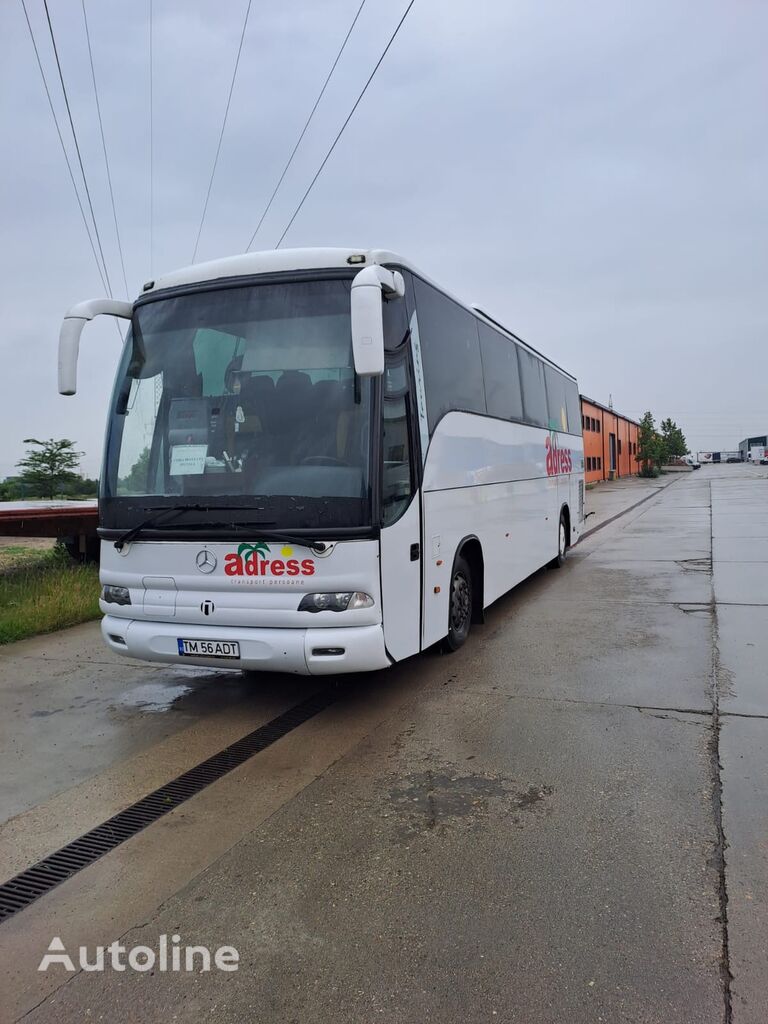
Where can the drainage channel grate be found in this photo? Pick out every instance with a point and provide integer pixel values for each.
(25, 888)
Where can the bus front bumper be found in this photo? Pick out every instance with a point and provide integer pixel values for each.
(314, 652)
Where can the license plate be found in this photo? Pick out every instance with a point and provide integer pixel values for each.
(209, 648)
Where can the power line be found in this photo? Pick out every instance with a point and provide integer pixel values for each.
(306, 126)
(77, 146)
(104, 147)
(349, 118)
(63, 147)
(223, 127)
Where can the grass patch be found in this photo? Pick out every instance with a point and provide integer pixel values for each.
(15, 556)
(46, 592)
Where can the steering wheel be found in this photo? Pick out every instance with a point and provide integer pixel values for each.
(322, 460)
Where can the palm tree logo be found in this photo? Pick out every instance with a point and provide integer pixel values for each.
(252, 551)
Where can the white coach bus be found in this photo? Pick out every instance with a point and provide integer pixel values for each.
(317, 461)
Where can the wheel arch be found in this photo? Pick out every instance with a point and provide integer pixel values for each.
(565, 513)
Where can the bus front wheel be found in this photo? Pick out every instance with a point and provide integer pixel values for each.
(459, 605)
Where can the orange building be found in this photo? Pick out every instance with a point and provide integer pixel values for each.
(610, 442)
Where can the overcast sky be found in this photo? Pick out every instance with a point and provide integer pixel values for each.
(594, 175)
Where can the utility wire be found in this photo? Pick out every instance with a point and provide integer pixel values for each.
(63, 147)
(304, 129)
(151, 152)
(223, 127)
(77, 147)
(104, 147)
(341, 130)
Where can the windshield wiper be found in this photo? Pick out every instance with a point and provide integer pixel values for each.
(285, 537)
(164, 514)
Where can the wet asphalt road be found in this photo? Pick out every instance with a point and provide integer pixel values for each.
(565, 821)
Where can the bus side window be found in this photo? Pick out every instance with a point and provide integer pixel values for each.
(397, 476)
(503, 394)
(450, 353)
(534, 392)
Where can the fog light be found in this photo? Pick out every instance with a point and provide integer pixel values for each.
(116, 595)
(338, 602)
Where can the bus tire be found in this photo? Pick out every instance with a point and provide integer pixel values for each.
(459, 605)
(562, 543)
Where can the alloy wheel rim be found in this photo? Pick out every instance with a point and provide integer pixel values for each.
(459, 601)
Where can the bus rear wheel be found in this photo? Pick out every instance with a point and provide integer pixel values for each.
(562, 543)
(459, 605)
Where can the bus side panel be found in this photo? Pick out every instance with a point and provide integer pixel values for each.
(487, 478)
(569, 492)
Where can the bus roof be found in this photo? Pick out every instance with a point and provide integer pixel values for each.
(275, 261)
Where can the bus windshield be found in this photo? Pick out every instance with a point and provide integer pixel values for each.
(244, 393)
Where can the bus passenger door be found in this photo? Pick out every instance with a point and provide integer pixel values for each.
(401, 554)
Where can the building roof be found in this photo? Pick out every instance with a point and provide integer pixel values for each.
(607, 408)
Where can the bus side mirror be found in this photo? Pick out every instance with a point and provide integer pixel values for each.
(368, 318)
(69, 336)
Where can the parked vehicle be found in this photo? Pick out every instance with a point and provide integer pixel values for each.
(317, 461)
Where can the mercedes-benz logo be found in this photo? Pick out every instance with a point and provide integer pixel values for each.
(206, 561)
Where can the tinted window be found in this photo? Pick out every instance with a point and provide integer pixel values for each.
(396, 449)
(558, 411)
(534, 393)
(395, 322)
(573, 405)
(503, 395)
(450, 353)
(245, 392)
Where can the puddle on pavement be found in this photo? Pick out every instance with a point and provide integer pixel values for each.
(153, 697)
(200, 690)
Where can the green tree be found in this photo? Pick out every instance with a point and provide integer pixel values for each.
(80, 487)
(135, 481)
(674, 439)
(11, 489)
(49, 464)
(651, 450)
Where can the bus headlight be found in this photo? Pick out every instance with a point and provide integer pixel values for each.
(338, 602)
(116, 595)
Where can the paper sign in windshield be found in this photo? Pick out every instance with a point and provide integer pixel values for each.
(188, 458)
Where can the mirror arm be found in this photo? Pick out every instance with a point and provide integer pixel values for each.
(367, 319)
(69, 337)
(390, 282)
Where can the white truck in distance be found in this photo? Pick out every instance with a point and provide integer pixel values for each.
(317, 461)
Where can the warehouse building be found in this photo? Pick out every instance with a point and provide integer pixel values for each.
(610, 442)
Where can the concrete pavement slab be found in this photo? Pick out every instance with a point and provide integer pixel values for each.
(740, 549)
(739, 526)
(481, 858)
(743, 659)
(741, 583)
(65, 718)
(744, 754)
